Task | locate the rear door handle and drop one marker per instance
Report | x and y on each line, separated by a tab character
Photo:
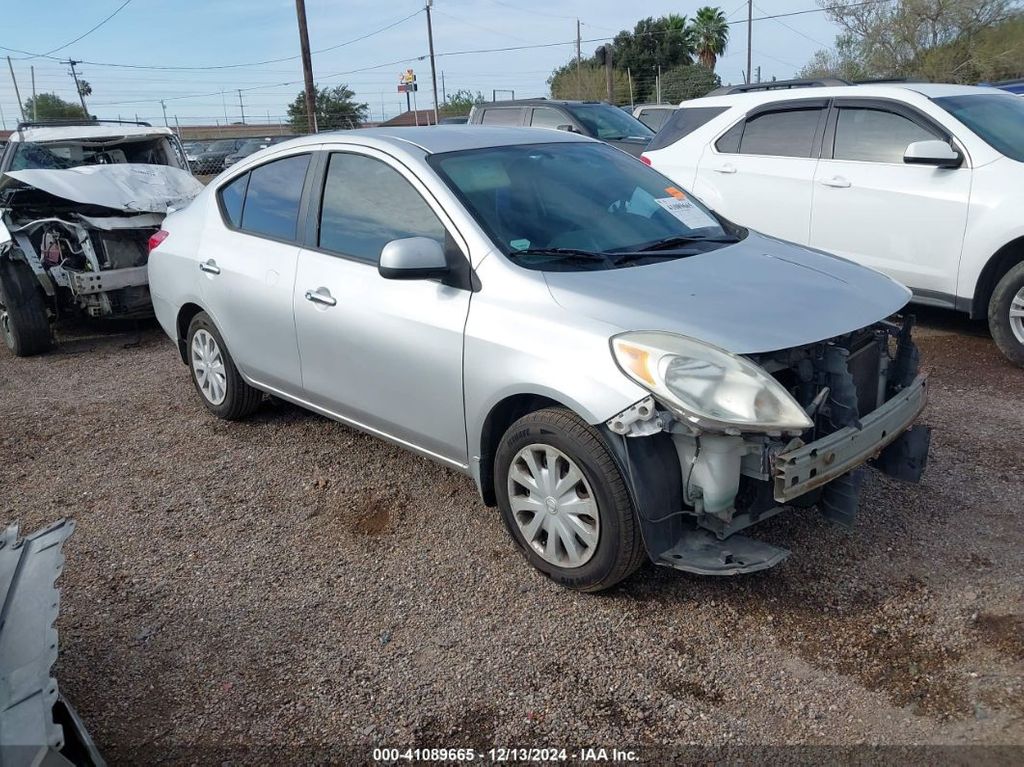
210	267
321	296
727	168
838	182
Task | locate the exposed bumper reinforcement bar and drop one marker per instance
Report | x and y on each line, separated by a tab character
805	468
84	283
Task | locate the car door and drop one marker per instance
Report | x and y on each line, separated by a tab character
248	260
869	206
759	173
383	354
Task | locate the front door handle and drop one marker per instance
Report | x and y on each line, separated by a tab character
321	296
837	182
210	267
727	168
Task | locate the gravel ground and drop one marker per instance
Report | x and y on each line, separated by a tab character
290	581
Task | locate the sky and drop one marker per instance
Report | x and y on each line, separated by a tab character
159	40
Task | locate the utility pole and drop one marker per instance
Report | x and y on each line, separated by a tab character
177	125
224	103
241	107
78	86
433	71
750	34
17	95
629	76
579	58
35	108
444	94
608	74
163	106
3	120
758	73
659	83
307	67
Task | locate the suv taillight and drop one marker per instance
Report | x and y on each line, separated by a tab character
645	159
157	238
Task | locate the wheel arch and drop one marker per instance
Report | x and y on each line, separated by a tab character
185	316
1002	261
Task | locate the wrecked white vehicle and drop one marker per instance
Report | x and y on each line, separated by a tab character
78	204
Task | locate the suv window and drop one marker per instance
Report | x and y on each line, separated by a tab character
546	117
786	133
367	204
501	116
874	135
265	201
682	122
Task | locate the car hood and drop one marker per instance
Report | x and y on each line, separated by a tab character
758	295
127	187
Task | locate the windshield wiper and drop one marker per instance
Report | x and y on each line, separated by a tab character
669	243
577	253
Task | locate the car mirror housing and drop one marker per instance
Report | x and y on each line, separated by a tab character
937	153
412	258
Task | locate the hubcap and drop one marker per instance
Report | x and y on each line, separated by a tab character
208	367
1017	315
553	506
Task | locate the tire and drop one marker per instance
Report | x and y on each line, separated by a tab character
558	435
24	323
221	387
1007	330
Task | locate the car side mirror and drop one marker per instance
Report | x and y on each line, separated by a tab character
412	258
567	128
935	152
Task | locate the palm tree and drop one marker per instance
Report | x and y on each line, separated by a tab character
710	33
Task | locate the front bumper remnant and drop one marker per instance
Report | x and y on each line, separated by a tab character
810	466
703	553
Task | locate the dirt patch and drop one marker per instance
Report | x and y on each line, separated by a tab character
1004	633
372	516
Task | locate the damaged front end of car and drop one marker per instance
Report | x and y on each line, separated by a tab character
83	233
727	441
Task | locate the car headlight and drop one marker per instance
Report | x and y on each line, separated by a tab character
707	386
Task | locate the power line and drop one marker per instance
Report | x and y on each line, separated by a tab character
797	31
82	36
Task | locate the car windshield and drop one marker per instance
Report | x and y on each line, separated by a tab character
60	155
608	122
997	118
251	145
592	205
223	145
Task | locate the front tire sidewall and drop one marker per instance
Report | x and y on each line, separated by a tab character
999	314
614	557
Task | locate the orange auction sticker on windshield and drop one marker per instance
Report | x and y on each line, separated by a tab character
675	192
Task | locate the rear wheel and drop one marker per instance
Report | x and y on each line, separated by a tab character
222	388
1006	314
24	323
565	502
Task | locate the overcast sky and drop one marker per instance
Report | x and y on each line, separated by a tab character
210	33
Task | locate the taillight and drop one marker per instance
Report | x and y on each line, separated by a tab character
157	238
645	159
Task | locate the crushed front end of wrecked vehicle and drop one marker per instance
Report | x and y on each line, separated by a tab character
75	242
698	482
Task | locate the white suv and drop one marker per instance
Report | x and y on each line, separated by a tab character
922	182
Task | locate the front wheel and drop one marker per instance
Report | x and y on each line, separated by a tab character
1006	314
24	323
565	502
225	393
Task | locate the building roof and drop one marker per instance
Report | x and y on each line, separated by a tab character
411	118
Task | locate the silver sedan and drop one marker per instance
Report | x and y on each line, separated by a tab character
625	374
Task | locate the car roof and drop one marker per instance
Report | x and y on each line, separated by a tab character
539	102
435	139
72	132
879	90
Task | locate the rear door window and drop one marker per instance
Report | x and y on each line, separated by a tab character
231	198
271	198
502	116
788	133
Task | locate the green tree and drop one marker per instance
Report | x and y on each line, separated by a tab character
666	42
50	106
710	32
690	81
841	63
460	102
589	85
335	109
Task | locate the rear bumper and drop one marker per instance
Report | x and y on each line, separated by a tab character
805	468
